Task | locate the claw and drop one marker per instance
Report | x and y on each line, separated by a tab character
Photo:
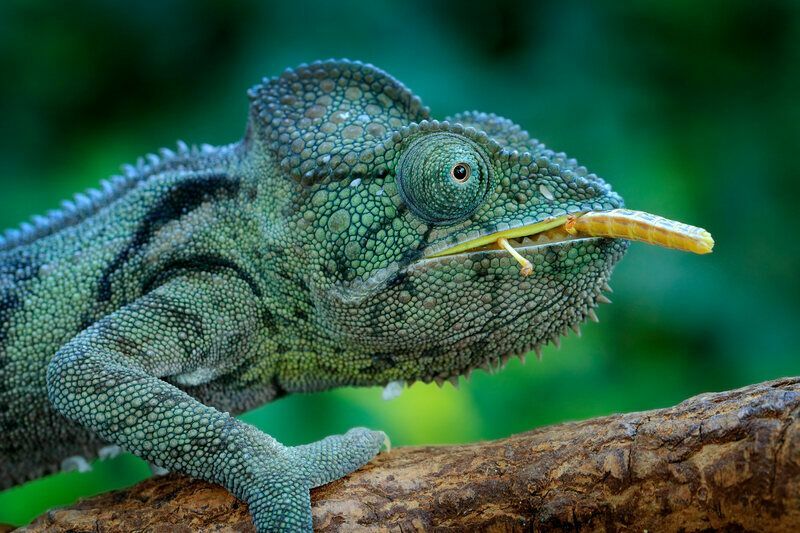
392	390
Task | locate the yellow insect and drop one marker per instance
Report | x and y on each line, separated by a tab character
640	226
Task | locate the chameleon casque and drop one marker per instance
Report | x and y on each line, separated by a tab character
347	239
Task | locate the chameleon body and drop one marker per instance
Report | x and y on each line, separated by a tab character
309	255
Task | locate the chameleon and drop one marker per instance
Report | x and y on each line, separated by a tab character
348	239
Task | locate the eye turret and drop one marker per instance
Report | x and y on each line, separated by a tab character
443	177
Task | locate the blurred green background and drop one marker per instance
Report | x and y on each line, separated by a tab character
690	109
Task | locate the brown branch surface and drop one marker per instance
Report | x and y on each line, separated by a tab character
728	460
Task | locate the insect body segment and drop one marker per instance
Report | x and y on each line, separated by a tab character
641	226
526	268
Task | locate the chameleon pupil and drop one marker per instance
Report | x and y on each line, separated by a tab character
460	172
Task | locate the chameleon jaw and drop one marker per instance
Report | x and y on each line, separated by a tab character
527	230
546	232
615	224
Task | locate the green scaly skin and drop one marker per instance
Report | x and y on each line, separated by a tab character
207	281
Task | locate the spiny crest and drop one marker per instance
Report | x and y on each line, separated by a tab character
502	130
345	118
84	204
319	119
501	138
518	145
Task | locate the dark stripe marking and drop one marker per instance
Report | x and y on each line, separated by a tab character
200	263
183	198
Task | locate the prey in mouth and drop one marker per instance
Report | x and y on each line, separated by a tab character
616	224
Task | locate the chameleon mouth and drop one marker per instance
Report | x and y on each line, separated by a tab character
615	224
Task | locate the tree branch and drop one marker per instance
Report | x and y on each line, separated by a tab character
728	460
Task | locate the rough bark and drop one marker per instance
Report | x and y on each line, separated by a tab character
727	461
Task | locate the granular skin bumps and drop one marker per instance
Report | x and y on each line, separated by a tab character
205	281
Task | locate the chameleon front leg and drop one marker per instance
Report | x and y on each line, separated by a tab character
108	378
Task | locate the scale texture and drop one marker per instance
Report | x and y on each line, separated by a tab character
205	281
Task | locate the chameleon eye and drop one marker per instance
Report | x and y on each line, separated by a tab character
460	172
443	177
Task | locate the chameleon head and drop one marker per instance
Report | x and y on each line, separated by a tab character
434	247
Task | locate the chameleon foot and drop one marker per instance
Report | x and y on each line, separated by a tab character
280	499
